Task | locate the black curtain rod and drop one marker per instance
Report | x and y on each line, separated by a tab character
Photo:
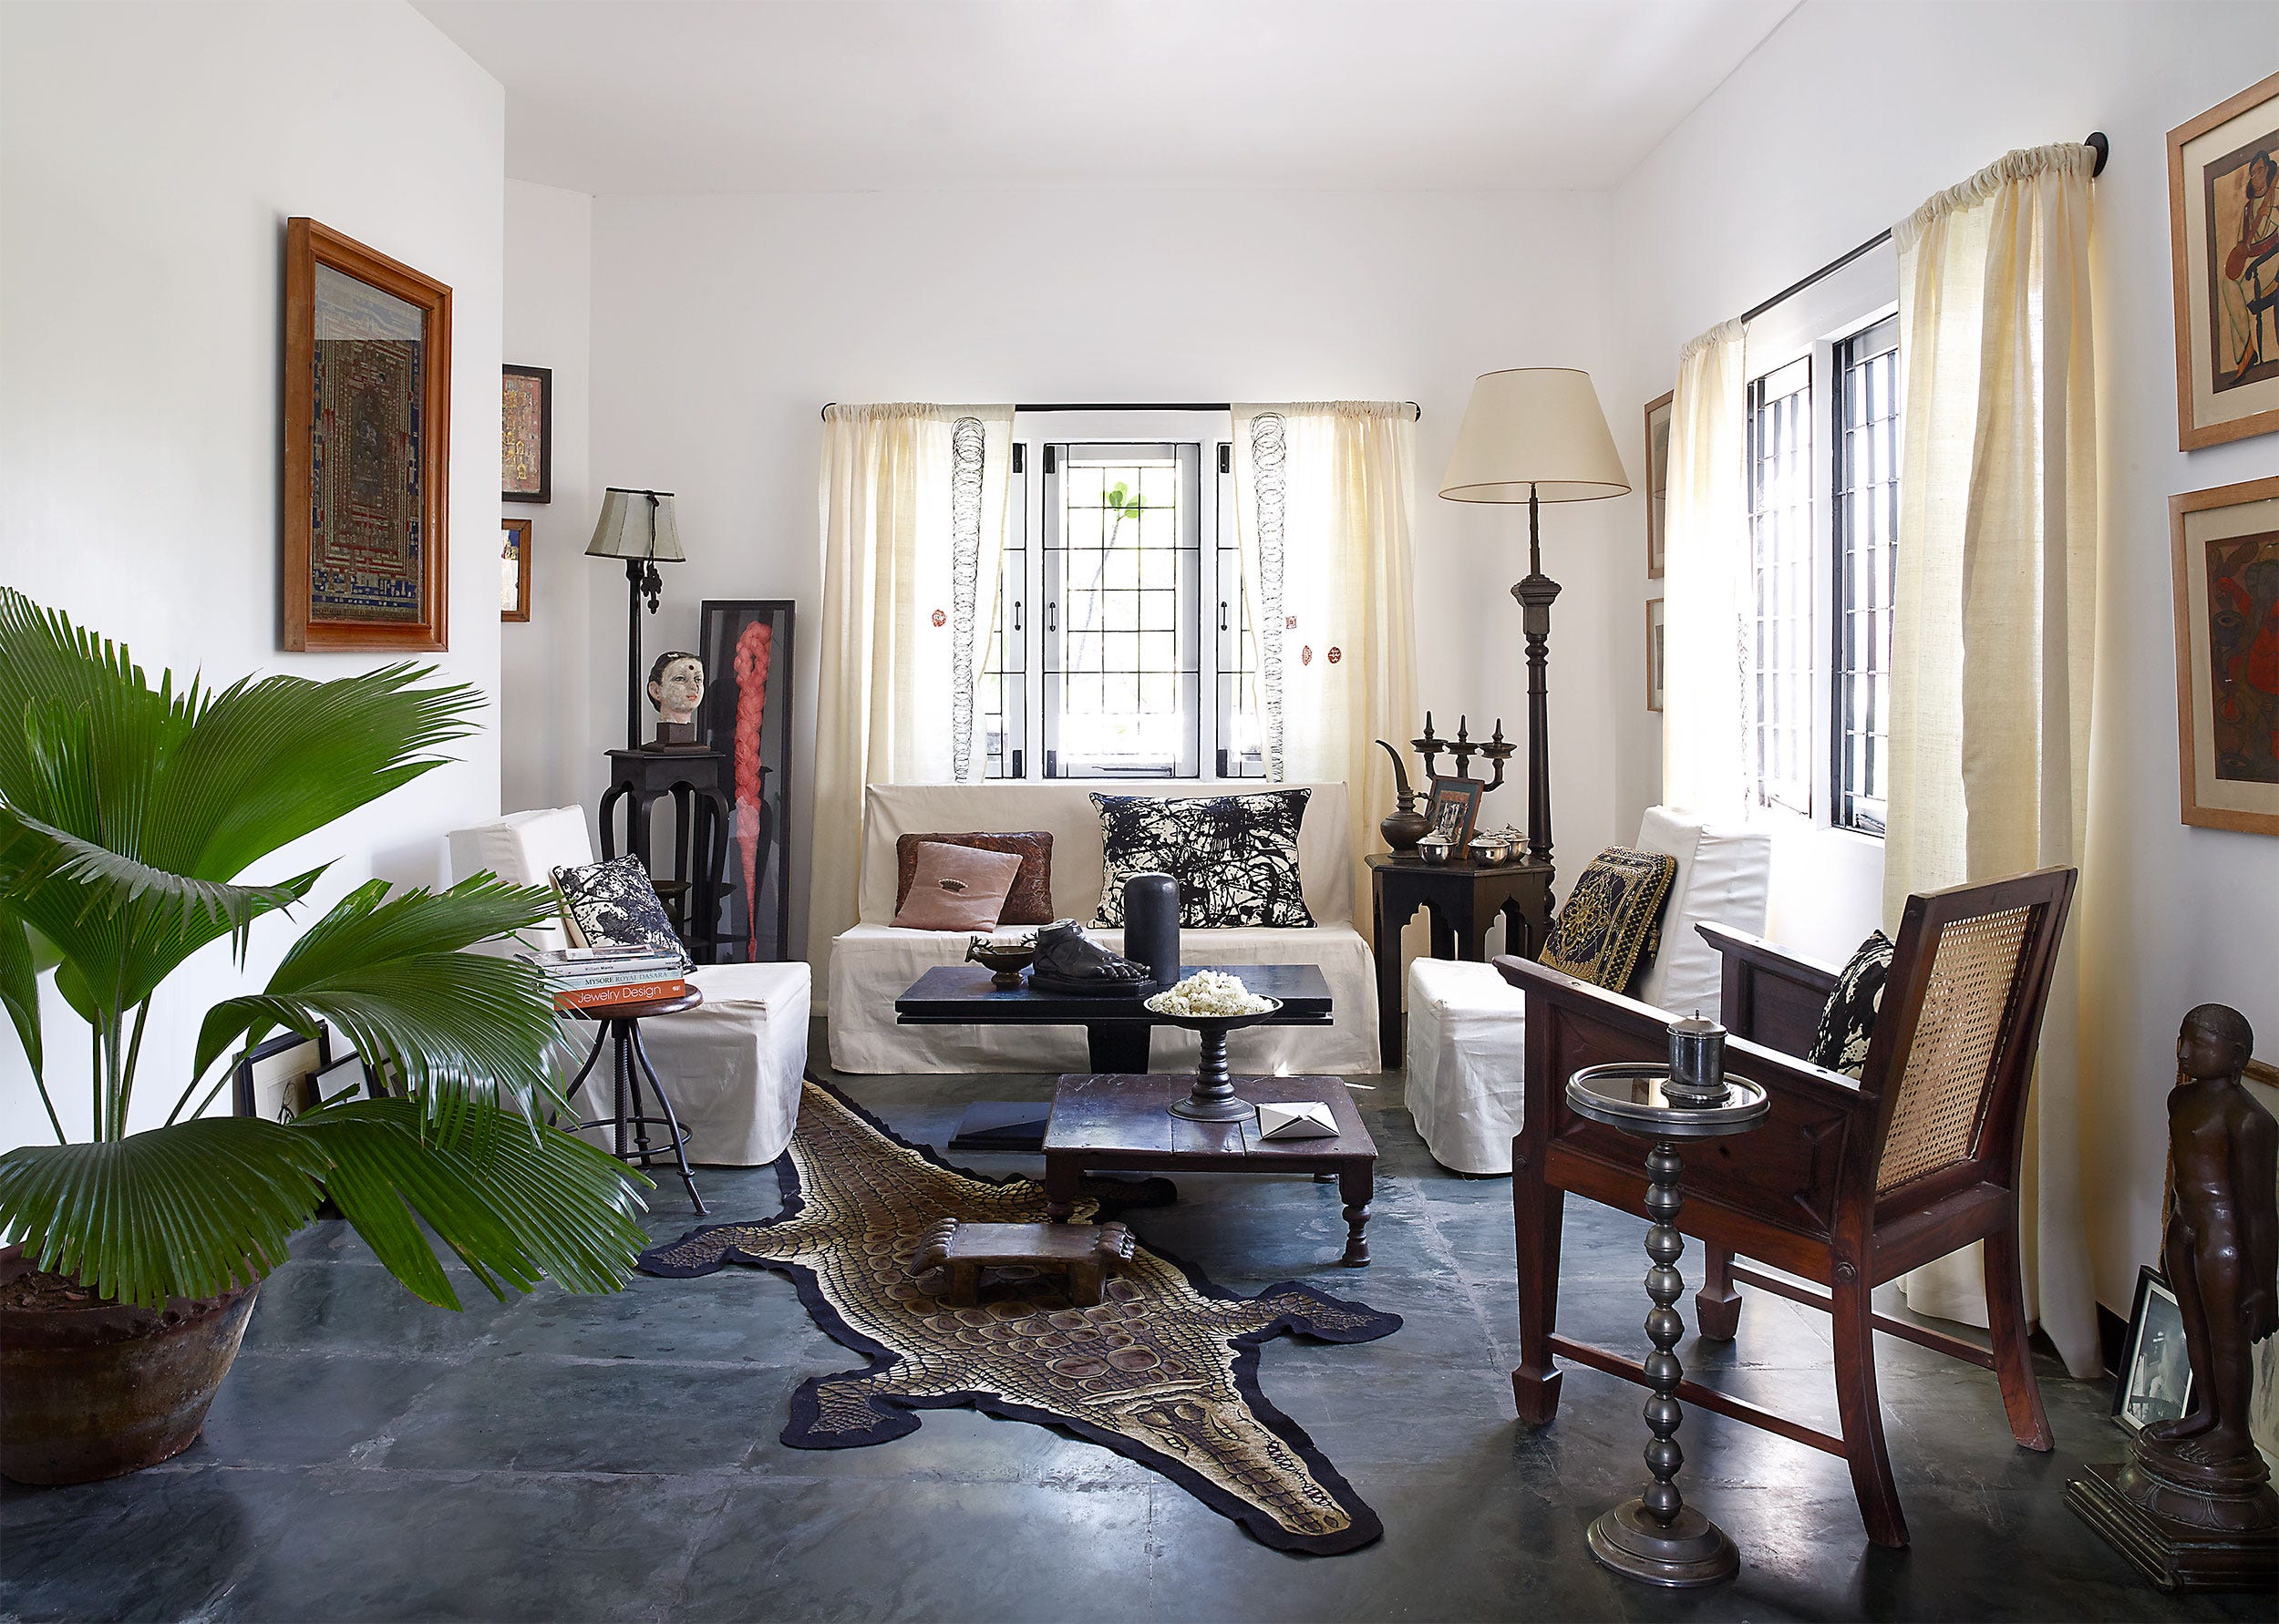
1416	411
2097	143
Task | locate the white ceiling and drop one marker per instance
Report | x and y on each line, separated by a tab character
676	96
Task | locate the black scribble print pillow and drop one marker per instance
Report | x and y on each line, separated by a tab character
1235	857
614	904
1847	1021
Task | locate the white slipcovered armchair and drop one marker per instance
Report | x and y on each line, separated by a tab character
1466	1030
733	1066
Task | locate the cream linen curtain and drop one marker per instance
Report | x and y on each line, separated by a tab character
1992	638
1325	494
1705	583
912	503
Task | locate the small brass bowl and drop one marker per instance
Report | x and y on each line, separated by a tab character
1005	959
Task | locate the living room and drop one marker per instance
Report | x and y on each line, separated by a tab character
1010	514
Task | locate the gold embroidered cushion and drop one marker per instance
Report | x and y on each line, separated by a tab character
1610	927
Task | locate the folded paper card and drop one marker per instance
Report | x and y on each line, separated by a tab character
1307	1119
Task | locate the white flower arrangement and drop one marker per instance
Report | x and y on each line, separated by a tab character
1208	993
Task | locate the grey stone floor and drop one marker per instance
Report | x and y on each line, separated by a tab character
605	1459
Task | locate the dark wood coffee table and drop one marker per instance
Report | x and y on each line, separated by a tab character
1116	1030
1123	1123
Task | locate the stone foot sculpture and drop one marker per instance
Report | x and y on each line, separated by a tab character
1069	961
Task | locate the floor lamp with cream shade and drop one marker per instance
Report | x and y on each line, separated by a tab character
1534	435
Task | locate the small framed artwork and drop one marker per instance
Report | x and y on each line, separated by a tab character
514	570
1657	670
746	644
2224	240
367	459
2225	556
1657	483
2155	1382
276	1079
1456	808
526	449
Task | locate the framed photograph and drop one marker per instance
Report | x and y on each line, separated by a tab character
526	447
1657	669
746	645
2155	1383
2223	239
1657	483
514	570
1455	808
2225	556
347	1075
276	1079
367	448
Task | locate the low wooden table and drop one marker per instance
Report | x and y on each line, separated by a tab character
1116	1030
1122	1123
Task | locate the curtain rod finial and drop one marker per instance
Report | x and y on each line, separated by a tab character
2100	144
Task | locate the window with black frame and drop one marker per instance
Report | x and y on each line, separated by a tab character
1865	519
1780	552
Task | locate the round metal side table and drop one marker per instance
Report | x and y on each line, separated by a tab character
1654	1536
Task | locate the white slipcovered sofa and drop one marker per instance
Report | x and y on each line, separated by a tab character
1466	1030
874	963
732	1065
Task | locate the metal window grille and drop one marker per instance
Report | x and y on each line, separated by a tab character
1004	684
1865	536
1122	580
1781	544
1239	755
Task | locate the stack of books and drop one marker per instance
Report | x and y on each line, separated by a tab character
597	978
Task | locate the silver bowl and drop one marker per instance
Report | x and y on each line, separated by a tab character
1433	849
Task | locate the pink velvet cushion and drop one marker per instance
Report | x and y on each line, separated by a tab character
957	888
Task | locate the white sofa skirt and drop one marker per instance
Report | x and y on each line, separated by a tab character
873	965
732	1065
1466	1048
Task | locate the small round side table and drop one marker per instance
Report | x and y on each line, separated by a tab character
1654	1536
621	1029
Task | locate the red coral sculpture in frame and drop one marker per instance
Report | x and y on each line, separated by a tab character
754	652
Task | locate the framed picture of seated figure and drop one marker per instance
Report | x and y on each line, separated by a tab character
2225	556
2155	1383
367	433
2223	226
1454	810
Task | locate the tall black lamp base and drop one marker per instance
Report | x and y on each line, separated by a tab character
1691	1551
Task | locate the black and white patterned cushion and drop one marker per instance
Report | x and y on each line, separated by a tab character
1235	857
1848	1021
614	904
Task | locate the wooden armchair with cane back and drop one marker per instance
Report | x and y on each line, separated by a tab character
1847	1184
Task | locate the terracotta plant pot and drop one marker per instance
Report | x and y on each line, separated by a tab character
90	1389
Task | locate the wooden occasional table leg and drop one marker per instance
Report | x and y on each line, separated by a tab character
1357	1182
1061	1175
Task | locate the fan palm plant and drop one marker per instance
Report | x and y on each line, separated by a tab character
127	816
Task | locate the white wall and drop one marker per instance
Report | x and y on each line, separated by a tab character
1841	124
723	323
150	157
549	322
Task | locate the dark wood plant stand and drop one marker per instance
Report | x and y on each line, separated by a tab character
621	1030
1124	1124
697	882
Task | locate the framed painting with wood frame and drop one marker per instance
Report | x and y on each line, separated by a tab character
1455	809
514	570
2224	231
367	459
2224	554
1657	483
526	424
1657	647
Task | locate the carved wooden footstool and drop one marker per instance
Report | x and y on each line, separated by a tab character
1081	1252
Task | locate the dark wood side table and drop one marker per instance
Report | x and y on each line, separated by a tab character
619	1026
1124	1124
1462	899
698	780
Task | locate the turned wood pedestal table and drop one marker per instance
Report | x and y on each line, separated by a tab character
1124	1123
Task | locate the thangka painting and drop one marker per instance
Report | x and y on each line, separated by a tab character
2223	209
526	446
2225	545
367	392
747	648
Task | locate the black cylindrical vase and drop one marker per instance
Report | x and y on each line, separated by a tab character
1151	924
